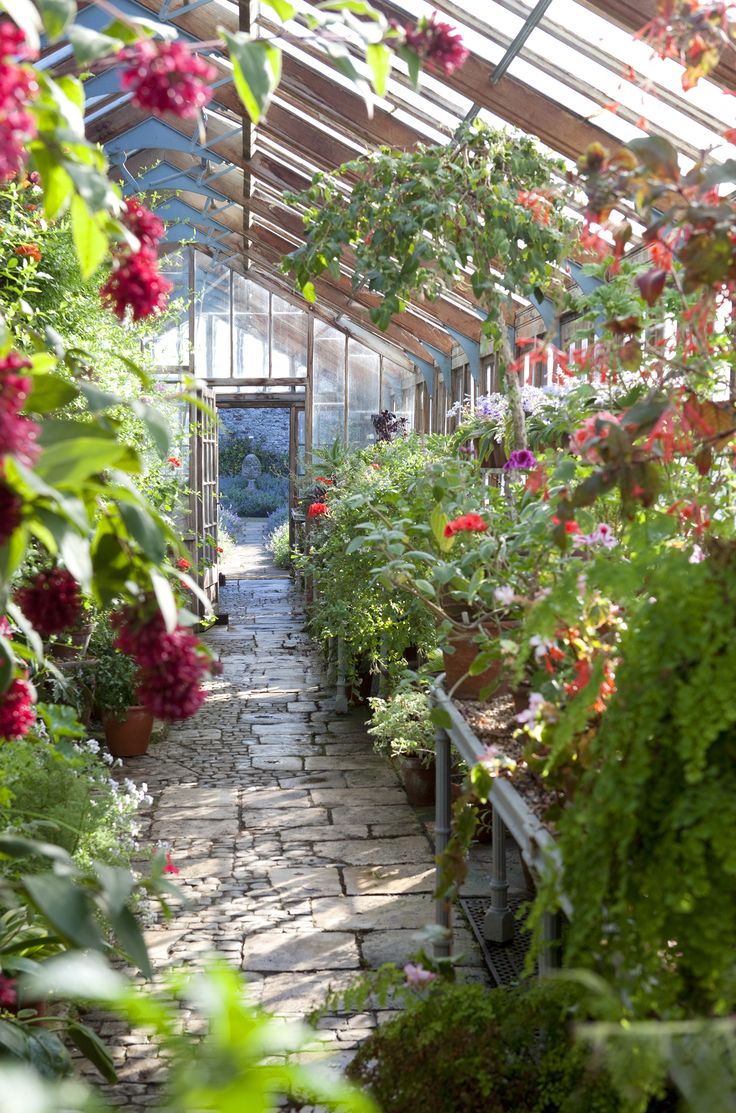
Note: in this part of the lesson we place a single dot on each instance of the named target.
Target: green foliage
(268, 494)
(464, 1048)
(111, 675)
(277, 544)
(402, 724)
(648, 848)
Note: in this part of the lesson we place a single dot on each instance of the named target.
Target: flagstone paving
(303, 862)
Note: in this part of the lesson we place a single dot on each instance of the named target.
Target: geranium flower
(417, 976)
(32, 250)
(183, 564)
(601, 536)
(585, 440)
(520, 458)
(174, 461)
(317, 510)
(504, 595)
(219, 549)
(466, 523)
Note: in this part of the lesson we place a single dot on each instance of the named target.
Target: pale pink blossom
(417, 976)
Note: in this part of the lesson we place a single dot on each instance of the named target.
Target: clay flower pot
(129, 736)
(77, 645)
(419, 780)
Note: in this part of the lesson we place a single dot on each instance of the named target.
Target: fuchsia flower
(170, 867)
(466, 523)
(16, 710)
(11, 511)
(166, 77)
(17, 88)
(520, 458)
(135, 281)
(437, 44)
(172, 664)
(8, 993)
(142, 223)
(51, 601)
(17, 434)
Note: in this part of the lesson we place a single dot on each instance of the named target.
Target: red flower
(172, 664)
(219, 549)
(325, 481)
(571, 526)
(166, 77)
(51, 602)
(17, 87)
(437, 44)
(8, 993)
(136, 282)
(16, 710)
(376, 467)
(174, 461)
(170, 867)
(142, 223)
(317, 510)
(30, 249)
(11, 511)
(183, 563)
(17, 434)
(466, 523)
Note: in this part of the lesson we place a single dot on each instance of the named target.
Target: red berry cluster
(135, 279)
(17, 87)
(166, 77)
(438, 44)
(17, 434)
(172, 664)
(16, 710)
(51, 601)
(11, 511)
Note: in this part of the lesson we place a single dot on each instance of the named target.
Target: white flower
(697, 555)
(536, 702)
(541, 646)
(504, 595)
(93, 745)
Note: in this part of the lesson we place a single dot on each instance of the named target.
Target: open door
(202, 537)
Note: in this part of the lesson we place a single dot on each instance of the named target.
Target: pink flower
(504, 595)
(437, 44)
(586, 440)
(135, 281)
(51, 601)
(172, 664)
(142, 223)
(11, 511)
(602, 536)
(417, 976)
(16, 710)
(170, 867)
(166, 77)
(8, 993)
(536, 702)
(17, 87)
(466, 523)
(17, 434)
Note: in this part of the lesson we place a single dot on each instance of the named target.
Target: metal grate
(505, 961)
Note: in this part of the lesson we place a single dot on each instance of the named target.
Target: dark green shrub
(270, 493)
(467, 1049)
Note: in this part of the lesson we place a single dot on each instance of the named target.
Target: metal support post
(498, 925)
(341, 694)
(442, 831)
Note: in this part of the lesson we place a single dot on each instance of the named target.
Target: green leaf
(92, 1047)
(438, 521)
(90, 241)
(61, 720)
(55, 182)
(309, 293)
(91, 184)
(56, 14)
(156, 423)
(256, 71)
(284, 10)
(130, 938)
(658, 155)
(86, 977)
(16, 846)
(165, 599)
(50, 392)
(357, 7)
(65, 907)
(379, 58)
(426, 588)
(142, 527)
(7, 664)
(441, 718)
(33, 639)
(89, 45)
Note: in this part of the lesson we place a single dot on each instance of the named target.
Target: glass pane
(250, 329)
(288, 339)
(364, 368)
(171, 347)
(328, 422)
(398, 389)
(212, 318)
(329, 364)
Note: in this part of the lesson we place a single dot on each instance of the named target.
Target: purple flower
(520, 458)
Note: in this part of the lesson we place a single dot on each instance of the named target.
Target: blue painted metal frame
(471, 349)
(443, 361)
(157, 136)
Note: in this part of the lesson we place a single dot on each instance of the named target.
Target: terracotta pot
(129, 737)
(419, 780)
(457, 663)
(78, 644)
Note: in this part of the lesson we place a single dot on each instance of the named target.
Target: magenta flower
(520, 458)
(16, 710)
(51, 601)
(437, 44)
(166, 77)
(135, 281)
(17, 88)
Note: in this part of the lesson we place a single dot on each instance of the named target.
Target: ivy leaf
(56, 14)
(379, 58)
(256, 71)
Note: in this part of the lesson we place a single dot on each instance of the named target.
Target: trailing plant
(402, 725)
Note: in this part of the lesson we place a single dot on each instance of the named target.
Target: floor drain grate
(505, 961)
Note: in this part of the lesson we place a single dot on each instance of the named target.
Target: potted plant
(128, 726)
(402, 729)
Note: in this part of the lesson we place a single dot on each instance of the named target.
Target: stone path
(303, 860)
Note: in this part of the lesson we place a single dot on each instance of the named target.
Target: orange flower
(30, 249)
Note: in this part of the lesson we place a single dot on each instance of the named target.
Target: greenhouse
(368, 556)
